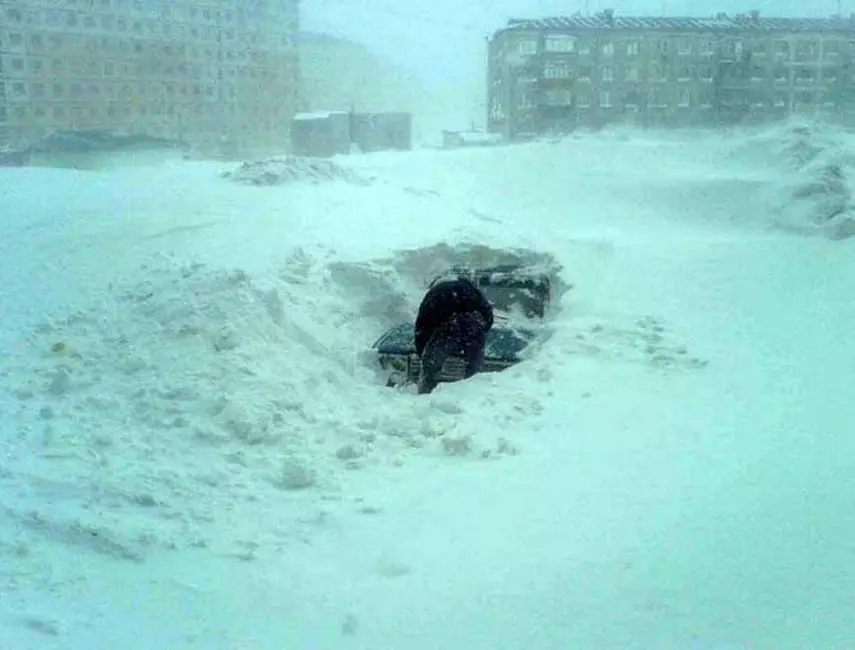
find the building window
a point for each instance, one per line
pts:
(684, 47)
(526, 100)
(684, 73)
(605, 99)
(4, 115)
(526, 47)
(631, 74)
(584, 73)
(664, 47)
(584, 48)
(706, 74)
(558, 97)
(782, 75)
(683, 97)
(632, 48)
(707, 49)
(732, 48)
(831, 50)
(805, 76)
(39, 111)
(17, 65)
(830, 75)
(16, 40)
(657, 73)
(555, 70)
(758, 73)
(758, 49)
(19, 89)
(807, 50)
(782, 50)
(782, 99)
(804, 97)
(758, 99)
(58, 90)
(37, 90)
(608, 73)
(584, 100)
(559, 43)
(608, 49)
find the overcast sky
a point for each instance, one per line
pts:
(443, 40)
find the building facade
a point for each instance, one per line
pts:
(555, 74)
(198, 71)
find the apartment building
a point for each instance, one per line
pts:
(557, 73)
(201, 71)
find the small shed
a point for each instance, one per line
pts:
(382, 131)
(456, 139)
(321, 134)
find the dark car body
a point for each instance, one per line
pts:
(14, 157)
(511, 290)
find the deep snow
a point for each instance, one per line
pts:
(199, 453)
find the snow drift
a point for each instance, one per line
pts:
(198, 452)
(290, 169)
(814, 165)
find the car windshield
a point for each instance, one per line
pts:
(516, 298)
(220, 428)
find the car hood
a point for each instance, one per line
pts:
(503, 343)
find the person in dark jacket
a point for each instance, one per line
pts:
(454, 318)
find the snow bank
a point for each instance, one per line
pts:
(814, 163)
(291, 169)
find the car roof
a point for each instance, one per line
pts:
(496, 274)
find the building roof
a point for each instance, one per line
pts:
(720, 22)
(317, 115)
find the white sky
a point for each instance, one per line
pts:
(443, 40)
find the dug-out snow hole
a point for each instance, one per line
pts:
(388, 290)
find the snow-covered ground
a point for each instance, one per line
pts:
(197, 451)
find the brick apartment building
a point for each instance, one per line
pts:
(556, 73)
(201, 71)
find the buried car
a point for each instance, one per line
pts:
(520, 297)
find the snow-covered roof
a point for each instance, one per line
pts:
(317, 115)
(477, 136)
(737, 22)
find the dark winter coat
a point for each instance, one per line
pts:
(445, 300)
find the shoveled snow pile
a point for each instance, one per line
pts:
(813, 195)
(231, 377)
(292, 169)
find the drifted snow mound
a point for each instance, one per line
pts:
(291, 169)
(187, 395)
(812, 193)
